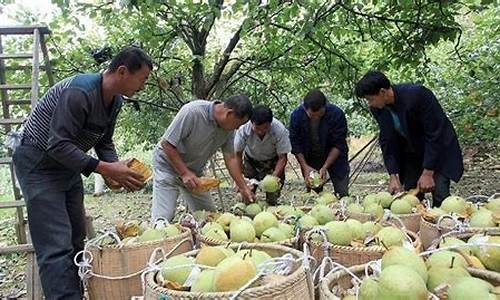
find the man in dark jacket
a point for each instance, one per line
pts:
(418, 142)
(75, 115)
(318, 132)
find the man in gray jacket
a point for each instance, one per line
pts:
(75, 115)
(198, 130)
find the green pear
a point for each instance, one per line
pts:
(263, 221)
(252, 209)
(225, 220)
(257, 257)
(490, 256)
(482, 218)
(405, 257)
(287, 229)
(370, 199)
(443, 274)
(374, 209)
(273, 234)
(390, 236)
(338, 233)
(216, 234)
(356, 229)
(411, 199)
(368, 289)
(371, 228)
(385, 199)
(151, 234)
(322, 213)
(211, 225)
(400, 207)
(225, 278)
(454, 204)
(401, 282)
(241, 231)
(354, 208)
(177, 268)
(470, 288)
(307, 222)
(204, 282)
(446, 258)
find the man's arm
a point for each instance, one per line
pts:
(279, 170)
(190, 180)
(234, 168)
(296, 141)
(106, 149)
(332, 156)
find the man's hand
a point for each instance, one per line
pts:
(306, 171)
(190, 180)
(322, 173)
(120, 172)
(247, 194)
(426, 182)
(394, 184)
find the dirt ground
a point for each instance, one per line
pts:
(482, 176)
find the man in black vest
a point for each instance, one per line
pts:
(418, 142)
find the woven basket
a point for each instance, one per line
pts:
(206, 241)
(343, 279)
(351, 256)
(411, 221)
(296, 285)
(429, 232)
(115, 261)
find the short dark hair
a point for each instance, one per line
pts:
(261, 114)
(371, 84)
(131, 57)
(241, 106)
(315, 100)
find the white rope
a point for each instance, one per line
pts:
(428, 252)
(493, 196)
(478, 197)
(375, 270)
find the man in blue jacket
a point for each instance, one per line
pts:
(418, 142)
(318, 132)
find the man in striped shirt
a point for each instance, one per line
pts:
(76, 114)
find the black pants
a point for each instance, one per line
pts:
(411, 170)
(255, 169)
(56, 218)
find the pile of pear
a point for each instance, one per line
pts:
(481, 215)
(375, 203)
(406, 275)
(222, 269)
(135, 232)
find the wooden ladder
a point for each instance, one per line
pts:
(11, 122)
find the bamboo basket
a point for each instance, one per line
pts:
(116, 261)
(352, 256)
(410, 221)
(343, 279)
(296, 285)
(429, 232)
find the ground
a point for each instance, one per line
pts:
(481, 176)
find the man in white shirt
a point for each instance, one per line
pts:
(262, 145)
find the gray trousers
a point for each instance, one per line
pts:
(56, 218)
(167, 187)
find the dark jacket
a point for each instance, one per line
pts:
(430, 137)
(332, 133)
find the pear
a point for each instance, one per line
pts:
(368, 289)
(400, 207)
(225, 220)
(307, 222)
(405, 257)
(209, 226)
(370, 199)
(411, 199)
(263, 221)
(241, 231)
(211, 256)
(322, 213)
(436, 212)
(338, 233)
(263, 204)
(477, 238)
(253, 209)
(256, 256)
(232, 273)
(204, 282)
(239, 208)
(270, 184)
(454, 204)
(374, 209)
(356, 229)
(171, 269)
(445, 274)
(287, 229)
(482, 218)
(216, 234)
(273, 234)
(151, 234)
(171, 230)
(385, 199)
(490, 256)
(390, 236)
(354, 208)
(452, 241)
(401, 282)
(494, 205)
(470, 288)
(283, 211)
(445, 258)
(326, 198)
(371, 228)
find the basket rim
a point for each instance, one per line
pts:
(294, 277)
(414, 214)
(202, 238)
(424, 222)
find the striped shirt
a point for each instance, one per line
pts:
(70, 119)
